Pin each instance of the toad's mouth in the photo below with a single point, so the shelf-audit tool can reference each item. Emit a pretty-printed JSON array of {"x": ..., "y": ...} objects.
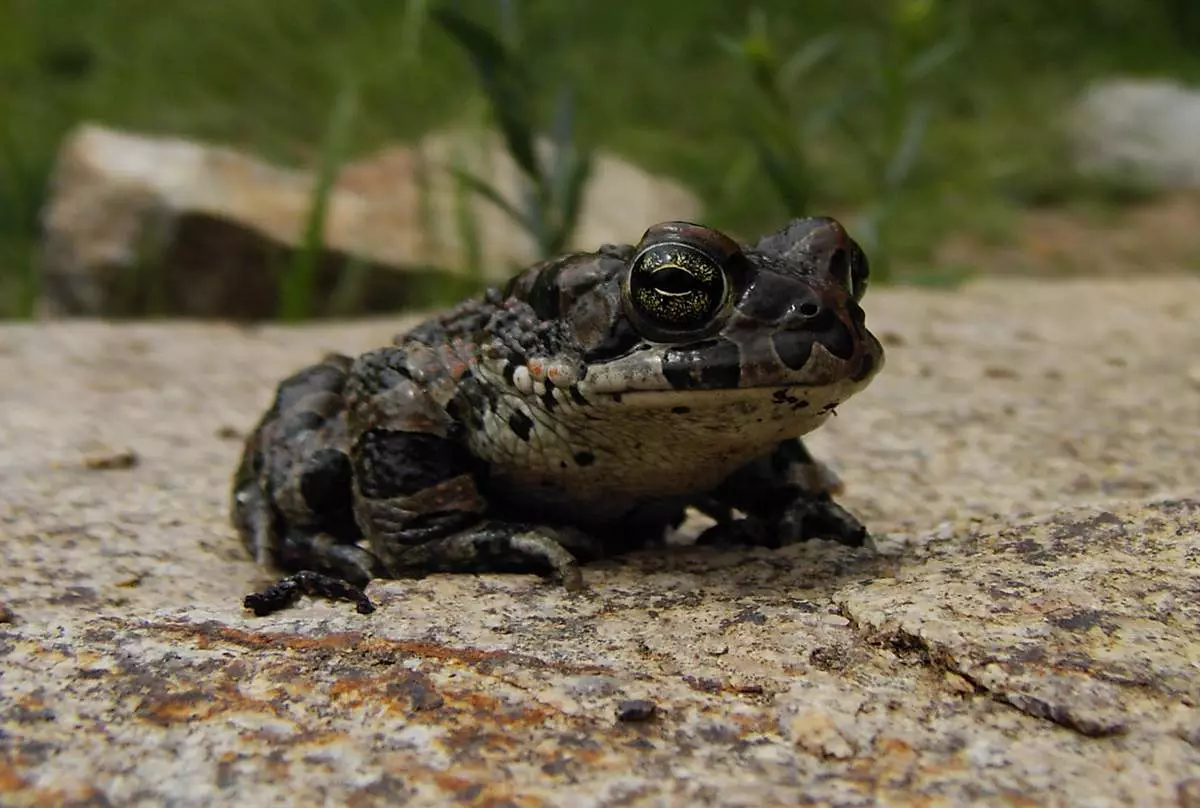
[
  {"x": 782, "y": 402},
  {"x": 729, "y": 369}
]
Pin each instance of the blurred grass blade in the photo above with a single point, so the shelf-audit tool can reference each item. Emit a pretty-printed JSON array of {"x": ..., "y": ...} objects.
[
  {"x": 533, "y": 195},
  {"x": 21, "y": 199},
  {"x": 349, "y": 294},
  {"x": 298, "y": 284},
  {"x": 510, "y": 23},
  {"x": 415, "y": 12},
  {"x": 808, "y": 57},
  {"x": 572, "y": 163},
  {"x": 487, "y": 191},
  {"x": 466, "y": 218},
  {"x": 908, "y": 148},
  {"x": 577, "y": 176},
  {"x": 562, "y": 135},
  {"x": 788, "y": 181},
  {"x": 504, "y": 81},
  {"x": 934, "y": 57}
]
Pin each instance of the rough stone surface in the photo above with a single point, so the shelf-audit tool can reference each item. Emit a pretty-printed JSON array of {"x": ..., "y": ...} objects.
[
  {"x": 1029, "y": 633},
  {"x": 137, "y": 224}
]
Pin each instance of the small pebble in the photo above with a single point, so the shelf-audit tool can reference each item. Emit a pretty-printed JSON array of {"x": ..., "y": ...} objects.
[
  {"x": 1193, "y": 376},
  {"x": 999, "y": 372},
  {"x": 112, "y": 460},
  {"x": 636, "y": 710},
  {"x": 1188, "y": 793}
]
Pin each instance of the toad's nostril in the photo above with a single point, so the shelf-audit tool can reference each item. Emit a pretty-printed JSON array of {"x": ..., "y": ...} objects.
[{"x": 806, "y": 311}]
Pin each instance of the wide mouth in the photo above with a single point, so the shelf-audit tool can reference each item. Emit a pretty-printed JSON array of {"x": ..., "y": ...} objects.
[{"x": 723, "y": 368}]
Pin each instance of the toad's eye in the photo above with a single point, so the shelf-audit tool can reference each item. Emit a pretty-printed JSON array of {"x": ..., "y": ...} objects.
[{"x": 677, "y": 287}]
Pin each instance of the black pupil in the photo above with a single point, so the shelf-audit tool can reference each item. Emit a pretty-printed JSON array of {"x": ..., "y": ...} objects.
[{"x": 673, "y": 281}]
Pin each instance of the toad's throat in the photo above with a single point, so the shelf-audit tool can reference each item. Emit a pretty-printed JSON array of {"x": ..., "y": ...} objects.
[{"x": 618, "y": 451}]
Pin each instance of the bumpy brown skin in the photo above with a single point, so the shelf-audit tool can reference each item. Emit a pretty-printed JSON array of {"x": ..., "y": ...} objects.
[{"x": 573, "y": 416}]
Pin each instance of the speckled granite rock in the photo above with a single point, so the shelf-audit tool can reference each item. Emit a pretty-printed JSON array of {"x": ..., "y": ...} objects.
[{"x": 1030, "y": 633}]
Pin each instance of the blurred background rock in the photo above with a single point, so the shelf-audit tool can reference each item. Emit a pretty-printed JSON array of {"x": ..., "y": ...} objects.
[{"x": 295, "y": 158}]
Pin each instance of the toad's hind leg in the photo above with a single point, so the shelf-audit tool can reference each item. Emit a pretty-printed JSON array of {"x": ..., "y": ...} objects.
[
  {"x": 417, "y": 498},
  {"x": 495, "y": 546},
  {"x": 293, "y": 493},
  {"x": 417, "y": 494}
]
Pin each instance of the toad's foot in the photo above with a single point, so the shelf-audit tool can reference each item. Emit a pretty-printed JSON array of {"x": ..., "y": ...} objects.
[{"x": 814, "y": 516}]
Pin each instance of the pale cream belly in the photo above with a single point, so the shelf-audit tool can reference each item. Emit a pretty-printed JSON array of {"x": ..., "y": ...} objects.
[{"x": 604, "y": 458}]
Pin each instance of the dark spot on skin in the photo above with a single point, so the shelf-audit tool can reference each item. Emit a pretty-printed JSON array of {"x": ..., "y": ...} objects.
[
  {"x": 837, "y": 339},
  {"x": 616, "y": 397},
  {"x": 492, "y": 396},
  {"x": 785, "y": 397},
  {"x": 584, "y": 458},
  {"x": 391, "y": 463},
  {"x": 312, "y": 379},
  {"x": 769, "y": 297},
  {"x": 562, "y": 464},
  {"x": 549, "y": 400},
  {"x": 865, "y": 367},
  {"x": 577, "y": 396},
  {"x": 297, "y": 421},
  {"x": 521, "y": 425},
  {"x": 543, "y": 295},
  {"x": 620, "y": 340},
  {"x": 682, "y": 410},
  {"x": 381, "y": 369},
  {"x": 326, "y": 482},
  {"x": 829, "y": 407},
  {"x": 794, "y": 348},
  {"x": 710, "y": 364}
]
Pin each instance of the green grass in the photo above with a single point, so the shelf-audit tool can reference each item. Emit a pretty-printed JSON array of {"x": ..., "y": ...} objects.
[{"x": 651, "y": 82}]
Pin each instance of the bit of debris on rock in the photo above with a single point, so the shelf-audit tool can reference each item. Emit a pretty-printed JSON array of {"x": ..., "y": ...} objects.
[
  {"x": 6, "y": 614},
  {"x": 112, "y": 460},
  {"x": 636, "y": 710},
  {"x": 1188, "y": 793}
]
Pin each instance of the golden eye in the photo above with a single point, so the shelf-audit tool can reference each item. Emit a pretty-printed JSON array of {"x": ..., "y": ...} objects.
[{"x": 676, "y": 286}]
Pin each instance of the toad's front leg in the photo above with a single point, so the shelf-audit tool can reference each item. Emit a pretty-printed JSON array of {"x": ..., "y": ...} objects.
[{"x": 787, "y": 498}]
